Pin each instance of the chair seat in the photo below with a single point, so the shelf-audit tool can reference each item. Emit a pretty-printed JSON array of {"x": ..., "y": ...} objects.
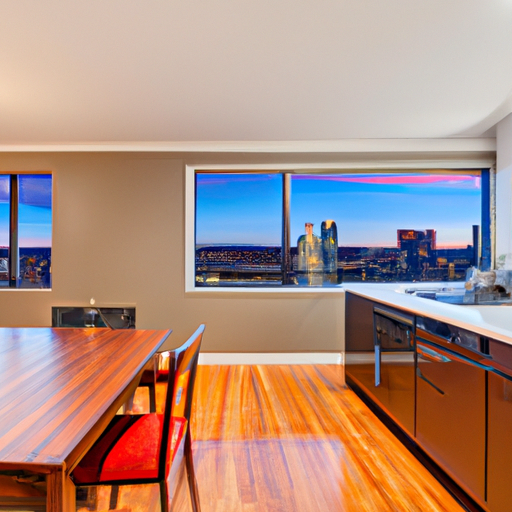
[{"x": 128, "y": 450}]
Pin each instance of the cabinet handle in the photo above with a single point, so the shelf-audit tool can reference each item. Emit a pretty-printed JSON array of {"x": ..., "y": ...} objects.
[
  {"x": 422, "y": 377},
  {"x": 377, "y": 365},
  {"x": 431, "y": 355}
]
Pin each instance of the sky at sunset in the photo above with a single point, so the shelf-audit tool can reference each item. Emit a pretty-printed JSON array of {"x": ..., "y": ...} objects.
[
  {"x": 35, "y": 210},
  {"x": 367, "y": 208}
]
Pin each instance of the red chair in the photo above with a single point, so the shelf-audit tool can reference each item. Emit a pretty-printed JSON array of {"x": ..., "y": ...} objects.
[{"x": 149, "y": 448}]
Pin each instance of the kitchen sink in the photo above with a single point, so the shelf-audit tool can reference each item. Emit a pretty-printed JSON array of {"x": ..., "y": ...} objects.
[{"x": 450, "y": 295}]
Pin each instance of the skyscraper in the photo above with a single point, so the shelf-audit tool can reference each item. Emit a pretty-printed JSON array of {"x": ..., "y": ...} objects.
[
  {"x": 329, "y": 235},
  {"x": 309, "y": 257},
  {"x": 317, "y": 257},
  {"x": 417, "y": 248}
]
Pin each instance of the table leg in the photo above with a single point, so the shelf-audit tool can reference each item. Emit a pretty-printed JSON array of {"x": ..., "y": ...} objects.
[{"x": 61, "y": 493}]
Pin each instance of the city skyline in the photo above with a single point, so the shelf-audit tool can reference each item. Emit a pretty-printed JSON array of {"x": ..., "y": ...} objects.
[
  {"x": 369, "y": 208},
  {"x": 314, "y": 263}
]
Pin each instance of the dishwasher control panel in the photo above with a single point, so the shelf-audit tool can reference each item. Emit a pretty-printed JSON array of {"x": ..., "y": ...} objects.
[{"x": 453, "y": 335}]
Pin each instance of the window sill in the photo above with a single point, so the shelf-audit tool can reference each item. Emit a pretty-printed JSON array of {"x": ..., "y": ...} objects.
[
  {"x": 8, "y": 289},
  {"x": 263, "y": 291}
]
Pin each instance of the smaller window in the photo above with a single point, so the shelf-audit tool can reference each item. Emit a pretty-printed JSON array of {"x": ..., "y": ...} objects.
[{"x": 25, "y": 230}]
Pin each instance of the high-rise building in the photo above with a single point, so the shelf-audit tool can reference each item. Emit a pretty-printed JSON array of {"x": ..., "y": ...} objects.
[
  {"x": 317, "y": 257},
  {"x": 329, "y": 235},
  {"x": 431, "y": 235},
  {"x": 309, "y": 253},
  {"x": 418, "y": 249}
]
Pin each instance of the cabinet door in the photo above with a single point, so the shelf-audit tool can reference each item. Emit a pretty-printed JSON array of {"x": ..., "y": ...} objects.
[
  {"x": 358, "y": 324},
  {"x": 450, "y": 415},
  {"x": 397, "y": 388},
  {"x": 359, "y": 348},
  {"x": 499, "y": 439}
]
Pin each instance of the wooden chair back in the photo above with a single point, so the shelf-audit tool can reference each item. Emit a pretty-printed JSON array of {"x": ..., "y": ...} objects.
[{"x": 178, "y": 403}]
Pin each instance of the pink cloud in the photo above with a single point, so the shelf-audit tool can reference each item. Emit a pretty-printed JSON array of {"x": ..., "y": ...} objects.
[{"x": 396, "y": 179}]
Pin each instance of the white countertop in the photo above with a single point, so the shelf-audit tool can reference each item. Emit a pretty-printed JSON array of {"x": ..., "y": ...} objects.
[{"x": 491, "y": 321}]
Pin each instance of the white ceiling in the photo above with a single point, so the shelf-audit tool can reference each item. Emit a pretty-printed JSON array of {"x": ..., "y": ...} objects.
[{"x": 86, "y": 71}]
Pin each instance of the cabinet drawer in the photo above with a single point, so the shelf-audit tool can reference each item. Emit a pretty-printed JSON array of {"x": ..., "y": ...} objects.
[{"x": 451, "y": 415}]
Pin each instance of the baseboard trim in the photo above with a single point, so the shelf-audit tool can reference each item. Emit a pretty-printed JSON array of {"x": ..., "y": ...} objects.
[{"x": 218, "y": 358}]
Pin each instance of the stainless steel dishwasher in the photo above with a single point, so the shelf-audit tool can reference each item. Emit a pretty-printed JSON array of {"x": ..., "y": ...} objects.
[
  {"x": 394, "y": 364},
  {"x": 451, "y": 401},
  {"x": 380, "y": 358}
]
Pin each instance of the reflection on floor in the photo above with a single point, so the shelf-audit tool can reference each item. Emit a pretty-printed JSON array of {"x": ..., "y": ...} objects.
[
  {"x": 289, "y": 439},
  {"x": 131, "y": 499},
  {"x": 140, "y": 498},
  {"x": 292, "y": 438}
]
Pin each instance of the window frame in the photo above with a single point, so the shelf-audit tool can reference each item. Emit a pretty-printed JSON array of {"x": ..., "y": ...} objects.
[
  {"x": 334, "y": 168},
  {"x": 14, "y": 263}
]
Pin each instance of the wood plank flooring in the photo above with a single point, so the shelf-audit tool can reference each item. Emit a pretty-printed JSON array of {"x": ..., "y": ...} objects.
[{"x": 293, "y": 438}]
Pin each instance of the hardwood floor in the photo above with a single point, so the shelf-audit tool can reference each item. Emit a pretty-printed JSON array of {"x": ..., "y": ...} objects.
[{"x": 292, "y": 438}]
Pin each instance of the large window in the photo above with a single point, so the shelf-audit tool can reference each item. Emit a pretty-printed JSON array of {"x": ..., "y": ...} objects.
[
  {"x": 25, "y": 230},
  {"x": 298, "y": 229}
]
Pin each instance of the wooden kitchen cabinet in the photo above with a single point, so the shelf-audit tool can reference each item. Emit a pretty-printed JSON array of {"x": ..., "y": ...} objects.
[
  {"x": 358, "y": 324},
  {"x": 499, "y": 430},
  {"x": 486, "y": 442}
]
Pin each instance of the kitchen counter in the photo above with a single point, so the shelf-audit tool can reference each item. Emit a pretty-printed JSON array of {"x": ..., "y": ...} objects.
[
  {"x": 491, "y": 321},
  {"x": 444, "y": 391}
]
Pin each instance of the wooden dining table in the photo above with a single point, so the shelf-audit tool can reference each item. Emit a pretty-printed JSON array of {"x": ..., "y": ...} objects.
[{"x": 59, "y": 389}]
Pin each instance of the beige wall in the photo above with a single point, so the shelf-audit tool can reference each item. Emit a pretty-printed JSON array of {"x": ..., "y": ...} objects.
[
  {"x": 504, "y": 193},
  {"x": 118, "y": 236}
]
